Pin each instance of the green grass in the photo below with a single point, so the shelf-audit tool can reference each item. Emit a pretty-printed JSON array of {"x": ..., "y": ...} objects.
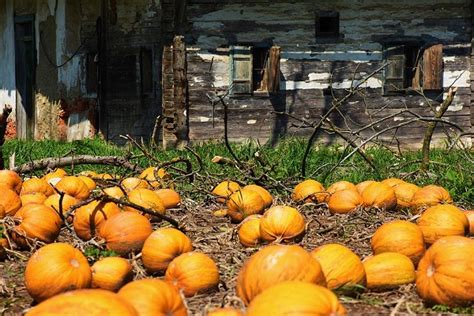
[{"x": 452, "y": 170}]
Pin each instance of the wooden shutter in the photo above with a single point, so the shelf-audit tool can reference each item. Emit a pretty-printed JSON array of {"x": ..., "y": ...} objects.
[
  {"x": 432, "y": 68},
  {"x": 395, "y": 71},
  {"x": 271, "y": 77},
  {"x": 240, "y": 70}
]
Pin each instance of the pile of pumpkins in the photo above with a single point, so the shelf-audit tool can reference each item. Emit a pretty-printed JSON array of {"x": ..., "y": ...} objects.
[{"x": 278, "y": 279}]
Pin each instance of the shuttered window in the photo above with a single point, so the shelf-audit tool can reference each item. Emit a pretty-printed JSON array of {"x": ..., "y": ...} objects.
[{"x": 241, "y": 70}]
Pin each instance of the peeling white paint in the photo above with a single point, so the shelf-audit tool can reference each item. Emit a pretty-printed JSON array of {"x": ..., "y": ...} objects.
[
  {"x": 458, "y": 78},
  {"x": 398, "y": 118},
  {"x": 356, "y": 56},
  {"x": 7, "y": 57},
  {"x": 251, "y": 122},
  {"x": 319, "y": 76},
  {"x": 456, "y": 107},
  {"x": 204, "y": 119},
  {"x": 345, "y": 84},
  {"x": 449, "y": 58}
]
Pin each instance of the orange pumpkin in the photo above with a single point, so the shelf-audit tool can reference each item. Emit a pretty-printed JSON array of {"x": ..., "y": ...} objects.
[
  {"x": 125, "y": 232},
  {"x": 446, "y": 272},
  {"x": 281, "y": 223},
  {"x": 470, "y": 218},
  {"x": 443, "y": 220},
  {"x": 67, "y": 202},
  {"x": 91, "y": 185},
  {"x": 10, "y": 201},
  {"x": 169, "y": 197},
  {"x": 147, "y": 199},
  {"x": 266, "y": 196},
  {"x": 35, "y": 198},
  {"x": 105, "y": 176},
  {"x": 341, "y": 266},
  {"x": 4, "y": 245},
  {"x": 362, "y": 185},
  {"x": 193, "y": 272},
  {"x": 224, "y": 189},
  {"x": 73, "y": 186},
  {"x": 115, "y": 192},
  {"x": 37, "y": 221},
  {"x": 89, "y": 218},
  {"x": 162, "y": 246},
  {"x": 225, "y": 311},
  {"x": 155, "y": 177},
  {"x": 11, "y": 179},
  {"x": 54, "y": 269},
  {"x": 399, "y": 236},
  {"x": 388, "y": 270},
  {"x": 296, "y": 298},
  {"x": 344, "y": 201},
  {"x": 249, "y": 231},
  {"x": 393, "y": 182},
  {"x": 2, "y": 211},
  {"x": 84, "y": 302},
  {"x": 379, "y": 195},
  {"x": 153, "y": 297},
  {"x": 309, "y": 191},
  {"x": 339, "y": 186},
  {"x": 275, "y": 264},
  {"x": 35, "y": 185},
  {"x": 111, "y": 273},
  {"x": 404, "y": 193},
  {"x": 56, "y": 174},
  {"x": 130, "y": 184},
  {"x": 430, "y": 195},
  {"x": 243, "y": 203}
]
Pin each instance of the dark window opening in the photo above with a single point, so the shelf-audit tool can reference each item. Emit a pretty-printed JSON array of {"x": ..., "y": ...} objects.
[
  {"x": 91, "y": 73},
  {"x": 260, "y": 58},
  {"x": 327, "y": 24},
  {"x": 146, "y": 70}
]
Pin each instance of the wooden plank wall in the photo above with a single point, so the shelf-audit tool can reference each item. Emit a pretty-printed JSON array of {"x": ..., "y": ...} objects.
[{"x": 308, "y": 64}]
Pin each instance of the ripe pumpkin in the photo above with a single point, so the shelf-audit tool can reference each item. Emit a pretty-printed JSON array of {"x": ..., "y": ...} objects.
[
  {"x": 266, "y": 196},
  {"x": 3, "y": 246},
  {"x": 10, "y": 201},
  {"x": 443, "y": 220},
  {"x": 125, "y": 232},
  {"x": 36, "y": 198},
  {"x": 275, "y": 264},
  {"x": 115, "y": 192},
  {"x": 193, "y": 272},
  {"x": 153, "y": 297},
  {"x": 430, "y": 195},
  {"x": 339, "y": 186},
  {"x": 404, "y": 193},
  {"x": 35, "y": 185},
  {"x": 362, "y": 185},
  {"x": 470, "y": 218},
  {"x": 341, "y": 266},
  {"x": 296, "y": 298},
  {"x": 54, "y": 269},
  {"x": 399, "y": 236},
  {"x": 309, "y": 191},
  {"x": 344, "y": 201},
  {"x": 145, "y": 198},
  {"x": 393, "y": 182},
  {"x": 111, "y": 273},
  {"x": 169, "y": 197},
  {"x": 89, "y": 218},
  {"x": 225, "y": 311},
  {"x": 243, "y": 203},
  {"x": 379, "y": 195},
  {"x": 388, "y": 270},
  {"x": 37, "y": 221},
  {"x": 91, "y": 185},
  {"x": 446, "y": 272},
  {"x": 58, "y": 173},
  {"x": 224, "y": 189},
  {"x": 249, "y": 231},
  {"x": 131, "y": 183},
  {"x": 67, "y": 202},
  {"x": 155, "y": 177},
  {"x": 281, "y": 223},
  {"x": 162, "y": 246},
  {"x": 73, "y": 186},
  {"x": 105, "y": 176},
  {"x": 2, "y": 211},
  {"x": 84, "y": 302},
  {"x": 11, "y": 179}
]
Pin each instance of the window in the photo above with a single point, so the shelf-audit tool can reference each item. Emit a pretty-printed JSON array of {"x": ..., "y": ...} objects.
[
  {"x": 254, "y": 70},
  {"x": 327, "y": 24},
  {"x": 410, "y": 66},
  {"x": 91, "y": 73},
  {"x": 146, "y": 70}
]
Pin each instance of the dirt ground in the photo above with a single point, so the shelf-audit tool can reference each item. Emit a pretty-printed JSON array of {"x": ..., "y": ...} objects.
[{"x": 218, "y": 238}]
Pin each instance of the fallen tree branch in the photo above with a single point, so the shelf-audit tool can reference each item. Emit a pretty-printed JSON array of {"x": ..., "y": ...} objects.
[{"x": 52, "y": 163}]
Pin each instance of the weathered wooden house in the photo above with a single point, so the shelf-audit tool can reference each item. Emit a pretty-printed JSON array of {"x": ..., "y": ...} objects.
[{"x": 72, "y": 68}]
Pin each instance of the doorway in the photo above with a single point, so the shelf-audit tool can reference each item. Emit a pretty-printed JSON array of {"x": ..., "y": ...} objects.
[{"x": 25, "y": 67}]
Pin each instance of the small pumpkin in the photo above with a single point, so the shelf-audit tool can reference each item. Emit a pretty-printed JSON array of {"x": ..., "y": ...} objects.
[
  {"x": 470, "y": 218},
  {"x": 73, "y": 186},
  {"x": 169, "y": 197},
  {"x": 266, "y": 196},
  {"x": 115, "y": 192},
  {"x": 89, "y": 218},
  {"x": 155, "y": 177},
  {"x": 443, "y": 220},
  {"x": 153, "y": 297},
  {"x": 430, "y": 195},
  {"x": 296, "y": 298},
  {"x": 193, "y": 272},
  {"x": 4, "y": 245},
  {"x": 399, "y": 236},
  {"x": 243, "y": 203},
  {"x": 309, "y": 191},
  {"x": 10, "y": 201},
  {"x": 125, "y": 232},
  {"x": 162, "y": 246},
  {"x": 281, "y": 223},
  {"x": 132, "y": 183},
  {"x": 362, "y": 185},
  {"x": 275, "y": 264},
  {"x": 341, "y": 266},
  {"x": 345, "y": 201},
  {"x": 225, "y": 311},
  {"x": 11, "y": 179},
  {"x": 35, "y": 198},
  {"x": 56, "y": 268},
  {"x": 379, "y": 195},
  {"x": 84, "y": 302},
  {"x": 339, "y": 186},
  {"x": 37, "y": 221},
  {"x": 445, "y": 274},
  {"x": 111, "y": 273},
  {"x": 67, "y": 202},
  {"x": 249, "y": 231},
  {"x": 404, "y": 193},
  {"x": 388, "y": 270},
  {"x": 58, "y": 173},
  {"x": 393, "y": 182},
  {"x": 89, "y": 182},
  {"x": 147, "y": 199},
  {"x": 35, "y": 185},
  {"x": 224, "y": 189}
]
